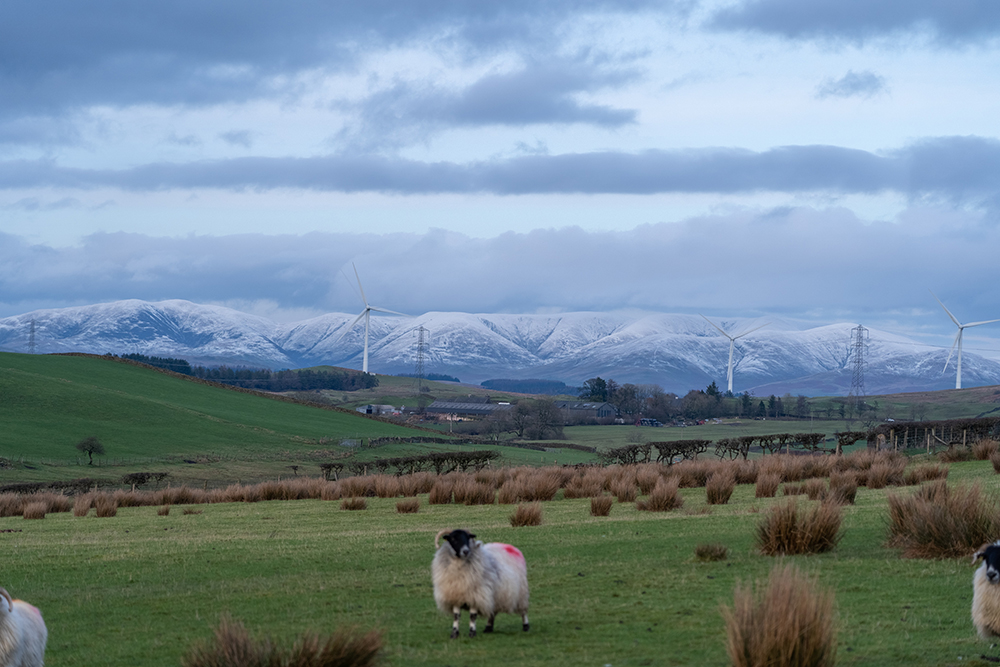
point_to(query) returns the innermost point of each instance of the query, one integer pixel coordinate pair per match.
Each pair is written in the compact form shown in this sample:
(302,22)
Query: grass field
(622,590)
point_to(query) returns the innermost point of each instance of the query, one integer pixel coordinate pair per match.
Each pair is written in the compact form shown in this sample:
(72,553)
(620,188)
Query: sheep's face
(461,542)
(991,561)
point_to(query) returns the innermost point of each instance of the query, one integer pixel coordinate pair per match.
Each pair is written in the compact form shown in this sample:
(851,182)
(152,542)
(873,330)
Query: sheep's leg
(457,611)
(524,619)
(489,623)
(472,622)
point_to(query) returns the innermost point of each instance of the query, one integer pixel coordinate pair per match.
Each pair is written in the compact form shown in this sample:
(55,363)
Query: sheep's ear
(471,536)
(981,553)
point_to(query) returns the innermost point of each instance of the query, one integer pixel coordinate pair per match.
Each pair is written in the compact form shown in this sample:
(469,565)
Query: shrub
(35,509)
(106,505)
(665,497)
(789,622)
(354,504)
(786,530)
(984,449)
(720,486)
(164,510)
(601,505)
(767,484)
(232,646)
(941,522)
(527,515)
(409,506)
(707,553)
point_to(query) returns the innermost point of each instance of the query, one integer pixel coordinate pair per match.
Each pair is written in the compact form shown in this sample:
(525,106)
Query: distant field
(624,590)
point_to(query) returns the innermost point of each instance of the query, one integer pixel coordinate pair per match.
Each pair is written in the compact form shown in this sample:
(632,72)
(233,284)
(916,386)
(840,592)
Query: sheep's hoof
(472,633)
(526,626)
(454,633)
(488,628)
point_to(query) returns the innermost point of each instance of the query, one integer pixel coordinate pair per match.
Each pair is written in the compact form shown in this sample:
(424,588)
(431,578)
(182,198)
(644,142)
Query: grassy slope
(622,590)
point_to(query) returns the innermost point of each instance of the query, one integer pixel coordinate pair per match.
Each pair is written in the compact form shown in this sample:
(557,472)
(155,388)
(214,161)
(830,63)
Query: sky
(831,161)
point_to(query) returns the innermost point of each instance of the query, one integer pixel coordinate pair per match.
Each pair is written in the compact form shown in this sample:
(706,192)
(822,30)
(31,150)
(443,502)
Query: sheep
(22,633)
(483,578)
(986,591)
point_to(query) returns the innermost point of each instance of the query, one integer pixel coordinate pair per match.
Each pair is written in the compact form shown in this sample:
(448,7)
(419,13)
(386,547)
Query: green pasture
(136,589)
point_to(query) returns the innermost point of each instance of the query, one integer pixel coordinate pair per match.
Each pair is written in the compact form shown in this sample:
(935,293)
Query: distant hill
(678,352)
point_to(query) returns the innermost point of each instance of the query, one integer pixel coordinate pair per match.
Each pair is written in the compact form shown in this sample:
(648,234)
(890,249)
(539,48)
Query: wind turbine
(732,344)
(366,314)
(958,341)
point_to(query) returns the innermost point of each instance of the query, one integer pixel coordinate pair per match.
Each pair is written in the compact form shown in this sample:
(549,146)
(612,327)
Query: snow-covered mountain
(678,352)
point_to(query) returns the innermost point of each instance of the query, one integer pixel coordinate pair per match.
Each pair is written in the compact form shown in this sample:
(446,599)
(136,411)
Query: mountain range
(677,351)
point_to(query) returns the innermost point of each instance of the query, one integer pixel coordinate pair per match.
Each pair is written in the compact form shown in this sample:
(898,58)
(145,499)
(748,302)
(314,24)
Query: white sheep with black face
(22,633)
(486,579)
(986,591)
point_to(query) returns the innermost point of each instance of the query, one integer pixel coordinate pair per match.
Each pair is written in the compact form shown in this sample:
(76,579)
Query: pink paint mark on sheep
(513,551)
(32,608)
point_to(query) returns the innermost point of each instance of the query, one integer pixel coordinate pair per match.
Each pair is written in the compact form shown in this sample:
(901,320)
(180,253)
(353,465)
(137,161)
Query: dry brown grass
(925,473)
(163,511)
(541,485)
(232,646)
(441,492)
(527,515)
(843,488)
(646,478)
(665,497)
(11,504)
(82,504)
(588,485)
(955,454)
(746,471)
(625,491)
(720,486)
(190,510)
(106,505)
(815,489)
(767,484)
(787,622)
(785,529)
(358,487)
(984,449)
(35,509)
(995,460)
(793,489)
(470,492)
(417,483)
(601,505)
(694,474)
(408,506)
(709,553)
(353,504)
(938,521)
(387,486)
(885,473)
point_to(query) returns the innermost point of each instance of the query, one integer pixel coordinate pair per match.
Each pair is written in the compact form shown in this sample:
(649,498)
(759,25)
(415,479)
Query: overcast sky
(831,160)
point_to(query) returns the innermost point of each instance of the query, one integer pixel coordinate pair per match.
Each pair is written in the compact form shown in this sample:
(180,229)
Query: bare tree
(91,446)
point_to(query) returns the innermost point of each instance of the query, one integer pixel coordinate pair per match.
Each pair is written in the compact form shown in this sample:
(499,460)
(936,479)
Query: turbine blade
(362,289)
(348,329)
(976,324)
(957,323)
(719,329)
(958,337)
(386,310)
(751,331)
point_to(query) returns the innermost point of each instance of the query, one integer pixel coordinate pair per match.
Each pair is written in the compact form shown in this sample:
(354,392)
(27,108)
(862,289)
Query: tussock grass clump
(11,504)
(625,491)
(35,509)
(416,483)
(883,474)
(815,489)
(358,487)
(354,504)
(330,491)
(588,485)
(924,473)
(82,504)
(232,646)
(694,474)
(665,497)
(408,506)
(720,486)
(541,485)
(470,492)
(787,622)
(938,521)
(190,510)
(995,460)
(955,454)
(527,515)
(440,493)
(767,484)
(793,489)
(601,505)
(746,471)
(843,488)
(511,492)
(646,478)
(163,511)
(106,505)
(984,449)
(709,553)
(387,486)
(785,529)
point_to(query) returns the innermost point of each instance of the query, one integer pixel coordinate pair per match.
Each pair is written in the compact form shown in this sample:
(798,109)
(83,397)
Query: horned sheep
(22,633)
(486,579)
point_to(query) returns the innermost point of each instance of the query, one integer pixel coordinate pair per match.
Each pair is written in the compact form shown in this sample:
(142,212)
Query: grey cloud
(853,84)
(242,138)
(35,204)
(63,54)
(537,93)
(949,22)
(962,167)
(186,140)
(878,265)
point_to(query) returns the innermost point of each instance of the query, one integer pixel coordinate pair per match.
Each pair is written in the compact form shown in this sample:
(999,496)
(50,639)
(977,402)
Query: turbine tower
(732,344)
(366,314)
(958,341)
